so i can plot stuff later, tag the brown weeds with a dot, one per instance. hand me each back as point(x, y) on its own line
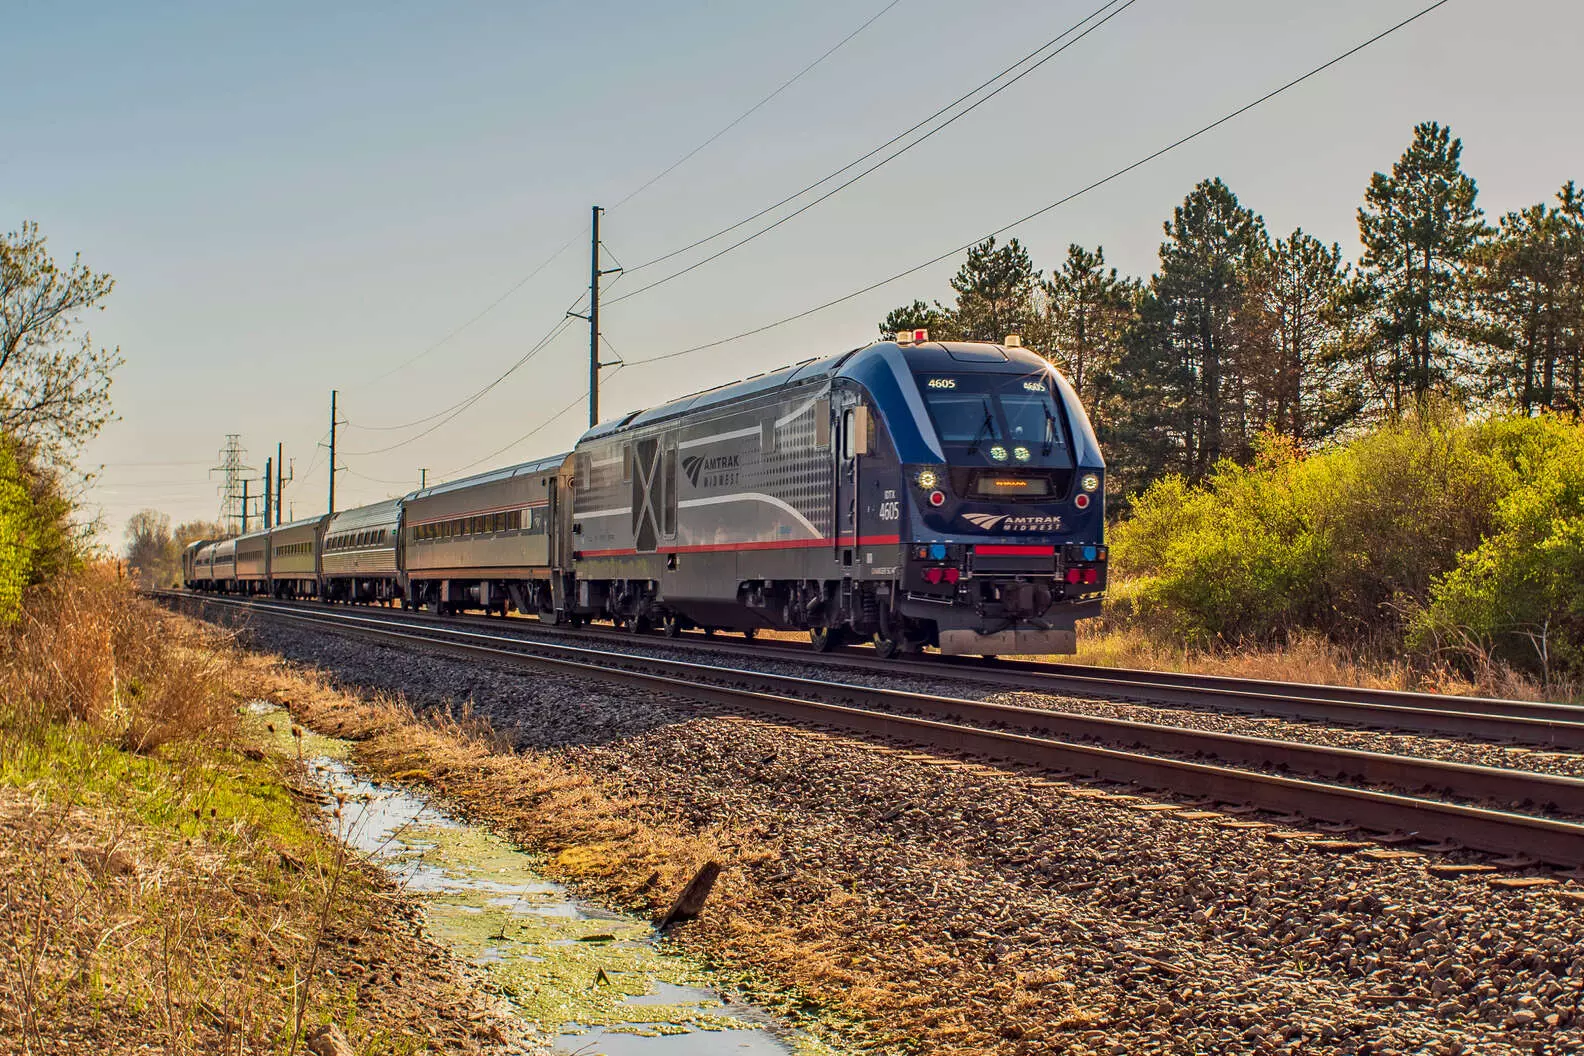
point(159, 888)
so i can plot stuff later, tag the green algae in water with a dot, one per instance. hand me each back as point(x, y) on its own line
point(559, 963)
point(600, 980)
point(271, 726)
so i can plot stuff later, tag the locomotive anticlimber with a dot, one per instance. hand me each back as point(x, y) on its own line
point(910, 493)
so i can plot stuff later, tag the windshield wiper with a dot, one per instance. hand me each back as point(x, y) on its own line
point(985, 427)
point(1050, 431)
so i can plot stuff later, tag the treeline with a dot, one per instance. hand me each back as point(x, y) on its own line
point(1238, 334)
point(154, 549)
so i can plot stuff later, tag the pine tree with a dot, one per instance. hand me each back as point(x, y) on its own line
point(1296, 366)
point(1088, 310)
point(920, 315)
point(995, 291)
point(1183, 377)
point(1529, 285)
point(1418, 226)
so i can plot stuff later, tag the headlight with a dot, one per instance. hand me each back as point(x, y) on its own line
point(998, 453)
point(927, 479)
point(1089, 482)
point(1020, 453)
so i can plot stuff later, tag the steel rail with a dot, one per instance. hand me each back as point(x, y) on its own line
point(1559, 726)
point(1551, 840)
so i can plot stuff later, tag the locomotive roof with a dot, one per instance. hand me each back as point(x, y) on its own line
point(935, 355)
point(539, 466)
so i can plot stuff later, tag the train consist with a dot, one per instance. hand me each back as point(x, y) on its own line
point(910, 493)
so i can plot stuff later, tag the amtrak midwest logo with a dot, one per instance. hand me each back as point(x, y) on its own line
point(719, 471)
point(989, 522)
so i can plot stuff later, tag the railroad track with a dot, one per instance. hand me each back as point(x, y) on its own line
point(1160, 758)
point(1559, 726)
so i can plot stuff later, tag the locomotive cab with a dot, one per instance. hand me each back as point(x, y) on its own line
point(1002, 500)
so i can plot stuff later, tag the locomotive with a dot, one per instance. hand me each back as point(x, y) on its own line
point(909, 493)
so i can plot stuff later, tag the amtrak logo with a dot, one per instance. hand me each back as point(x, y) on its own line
point(989, 522)
point(714, 471)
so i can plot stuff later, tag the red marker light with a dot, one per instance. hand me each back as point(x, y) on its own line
point(1091, 575)
point(932, 575)
point(1081, 501)
point(952, 575)
point(937, 498)
point(1074, 575)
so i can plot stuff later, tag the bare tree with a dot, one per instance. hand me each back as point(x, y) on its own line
point(150, 551)
point(54, 384)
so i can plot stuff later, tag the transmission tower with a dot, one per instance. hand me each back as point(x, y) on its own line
point(232, 508)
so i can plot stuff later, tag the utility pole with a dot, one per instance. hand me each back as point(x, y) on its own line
point(594, 277)
point(332, 448)
point(593, 316)
point(280, 482)
point(244, 506)
point(269, 492)
point(423, 478)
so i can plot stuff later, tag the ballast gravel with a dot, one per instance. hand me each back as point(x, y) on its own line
point(1033, 916)
point(959, 682)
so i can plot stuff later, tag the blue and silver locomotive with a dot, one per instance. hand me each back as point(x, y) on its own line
point(910, 493)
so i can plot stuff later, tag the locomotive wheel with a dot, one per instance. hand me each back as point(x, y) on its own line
point(749, 633)
point(824, 639)
point(891, 646)
point(639, 625)
point(671, 626)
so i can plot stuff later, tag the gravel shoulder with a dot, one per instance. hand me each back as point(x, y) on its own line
point(997, 912)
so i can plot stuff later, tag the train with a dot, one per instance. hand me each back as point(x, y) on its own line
point(911, 493)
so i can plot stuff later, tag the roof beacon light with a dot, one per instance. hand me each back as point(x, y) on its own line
point(920, 337)
point(1013, 341)
point(904, 337)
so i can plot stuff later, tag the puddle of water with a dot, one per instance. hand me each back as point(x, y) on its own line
point(596, 981)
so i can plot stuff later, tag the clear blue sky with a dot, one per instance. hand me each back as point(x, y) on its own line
point(296, 197)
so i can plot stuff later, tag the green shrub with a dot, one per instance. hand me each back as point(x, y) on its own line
point(35, 536)
point(1519, 595)
point(1350, 541)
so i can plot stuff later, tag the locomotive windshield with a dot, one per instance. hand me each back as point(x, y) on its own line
point(997, 419)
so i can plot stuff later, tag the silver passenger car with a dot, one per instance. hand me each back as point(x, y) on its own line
point(294, 557)
point(252, 563)
point(223, 571)
point(359, 561)
point(486, 541)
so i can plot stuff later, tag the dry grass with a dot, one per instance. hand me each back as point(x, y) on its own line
point(85, 651)
point(160, 887)
point(1312, 659)
point(625, 852)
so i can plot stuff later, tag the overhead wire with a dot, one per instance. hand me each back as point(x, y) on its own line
point(959, 100)
point(530, 434)
point(496, 303)
point(734, 122)
point(553, 257)
point(451, 412)
point(1218, 122)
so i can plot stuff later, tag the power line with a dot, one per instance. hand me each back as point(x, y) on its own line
point(528, 435)
point(458, 408)
point(496, 303)
point(569, 243)
point(894, 139)
point(734, 122)
point(1218, 122)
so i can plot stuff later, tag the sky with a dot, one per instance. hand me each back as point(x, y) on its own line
point(295, 198)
